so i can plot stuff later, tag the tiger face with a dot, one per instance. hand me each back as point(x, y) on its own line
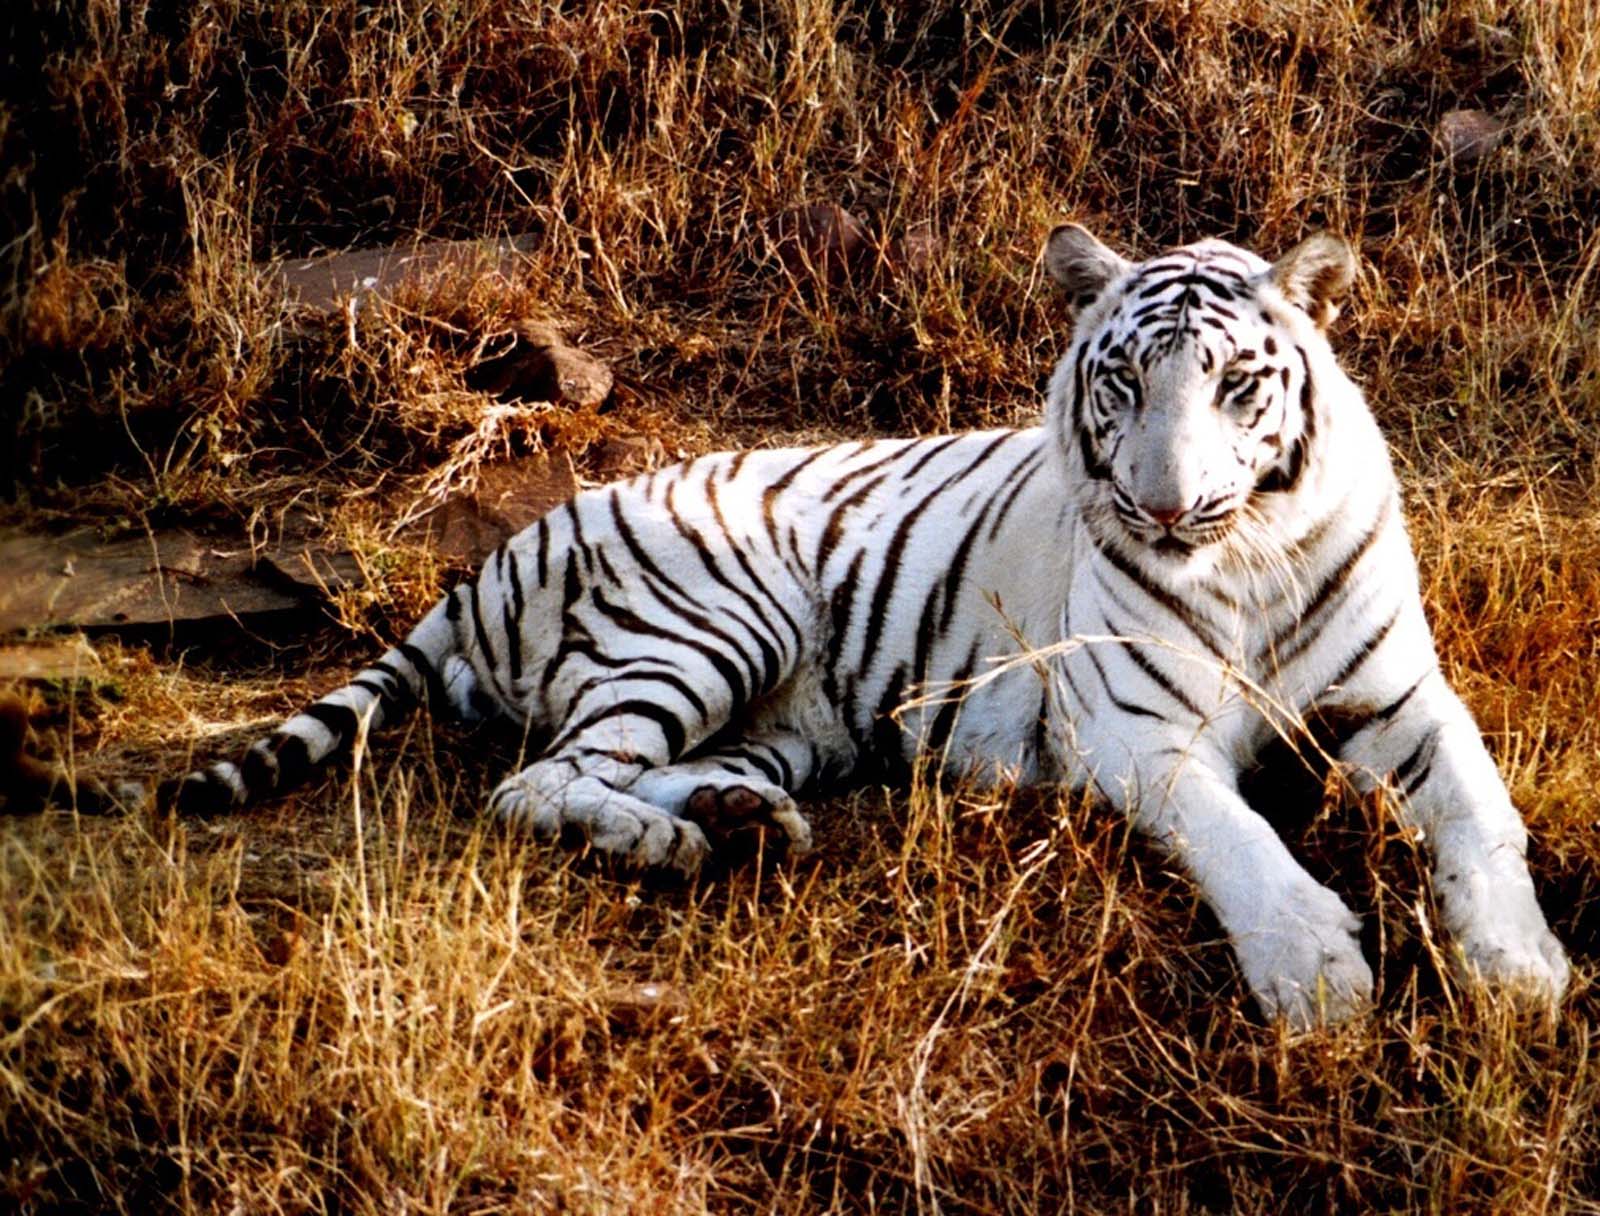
point(1186, 394)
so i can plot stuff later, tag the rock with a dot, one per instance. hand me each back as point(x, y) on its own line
point(168, 577)
point(326, 283)
point(540, 366)
point(176, 576)
point(66, 659)
point(914, 252)
point(516, 493)
point(823, 239)
point(466, 528)
point(310, 568)
point(76, 579)
point(622, 456)
point(634, 1007)
point(1466, 136)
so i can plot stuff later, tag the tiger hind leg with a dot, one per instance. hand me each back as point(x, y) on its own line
point(588, 793)
point(665, 814)
point(585, 784)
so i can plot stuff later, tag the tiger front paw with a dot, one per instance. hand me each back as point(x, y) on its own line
point(1500, 935)
point(1303, 960)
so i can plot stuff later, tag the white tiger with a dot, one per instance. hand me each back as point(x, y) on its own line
point(1207, 524)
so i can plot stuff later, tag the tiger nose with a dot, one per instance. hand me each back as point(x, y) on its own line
point(1165, 516)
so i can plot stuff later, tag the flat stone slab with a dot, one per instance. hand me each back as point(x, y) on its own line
point(65, 659)
point(326, 283)
point(77, 580)
point(532, 363)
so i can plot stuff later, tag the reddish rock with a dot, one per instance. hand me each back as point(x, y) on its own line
point(624, 455)
point(823, 239)
point(1466, 136)
point(466, 528)
point(540, 366)
point(914, 253)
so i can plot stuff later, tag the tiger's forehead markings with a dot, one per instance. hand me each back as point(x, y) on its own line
point(1182, 295)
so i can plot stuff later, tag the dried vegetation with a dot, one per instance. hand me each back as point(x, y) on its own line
point(365, 1000)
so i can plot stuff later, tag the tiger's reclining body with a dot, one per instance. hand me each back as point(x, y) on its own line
point(1207, 526)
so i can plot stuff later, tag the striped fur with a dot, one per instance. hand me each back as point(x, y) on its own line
point(1205, 533)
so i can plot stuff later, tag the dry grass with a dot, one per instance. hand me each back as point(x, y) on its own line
point(360, 1001)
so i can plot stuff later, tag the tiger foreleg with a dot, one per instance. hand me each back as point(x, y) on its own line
point(1427, 747)
point(1295, 940)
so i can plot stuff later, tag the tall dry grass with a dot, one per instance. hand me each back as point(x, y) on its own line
point(359, 1001)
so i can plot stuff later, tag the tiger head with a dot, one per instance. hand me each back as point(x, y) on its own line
point(1184, 404)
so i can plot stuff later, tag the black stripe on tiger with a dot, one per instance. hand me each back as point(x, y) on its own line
point(886, 747)
point(1296, 637)
point(1187, 616)
point(785, 771)
point(1126, 706)
point(769, 496)
point(513, 632)
point(437, 698)
point(744, 564)
point(766, 768)
point(895, 552)
point(1133, 649)
point(481, 634)
point(766, 638)
point(340, 721)
point(662, 588)
point(280, 762)
point(671, 729)
point(579, 545)
point(633, 623)
point(936, 618)
point(1278, 478)
point(944, 722)
point(833, 531)
point(1418, 766)
point(1019, 483)
point(1364, 651)
point(931, 452)
point(866, 470)
point(840, 605)
point(1395, 706)
point(1336, 725)
point(755, 679)
point(1094, 468)
point(383, 690)
point(403, 697)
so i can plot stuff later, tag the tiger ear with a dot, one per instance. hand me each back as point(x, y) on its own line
point(1314, 276)
point(1078, 261)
